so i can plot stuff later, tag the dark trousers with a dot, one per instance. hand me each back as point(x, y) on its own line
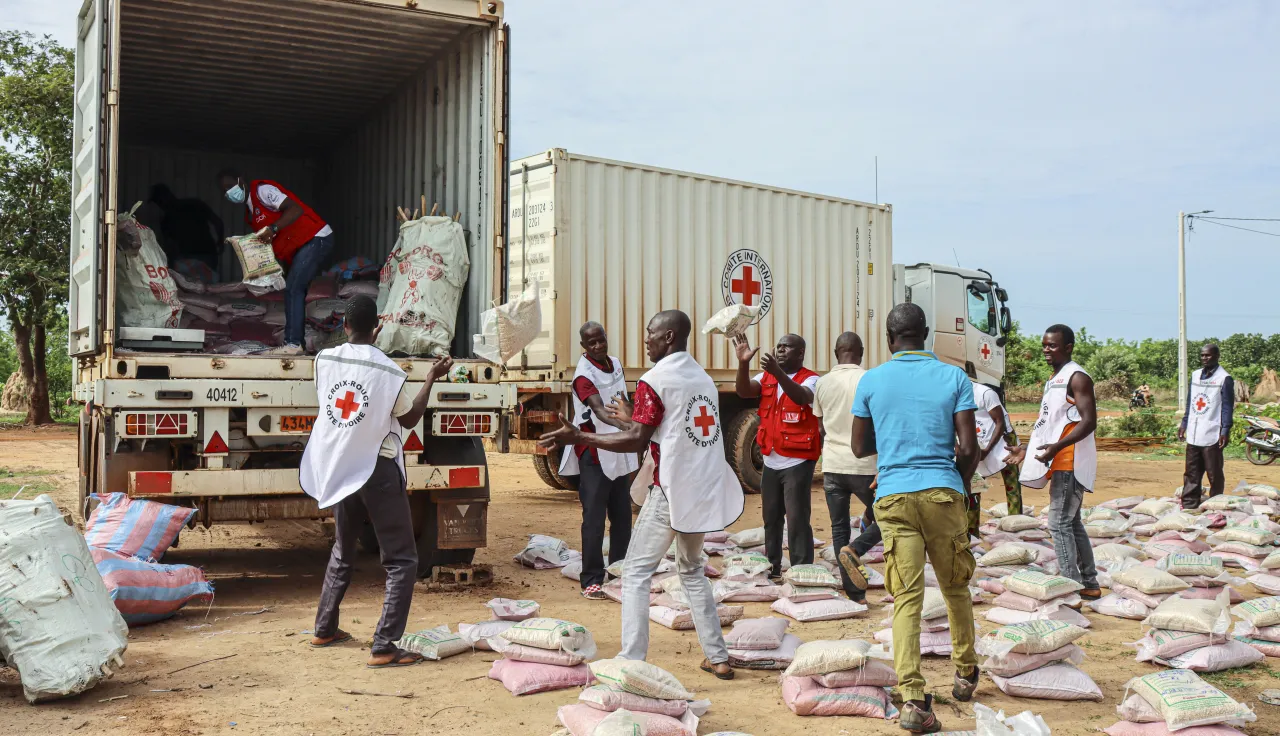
point(786, 495)
point(1200, 460)
point(839, 488)
point(602, 498)
point(383, 502)
point(307, 263)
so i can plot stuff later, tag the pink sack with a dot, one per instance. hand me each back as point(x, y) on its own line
point(581, 720)
point(1235, 559)
point(1013, 664)
point(805, 697)
point(757, 633)
point(1162, 644)
point(1052, 682)
point(525, 678)
point(991, 586)
point(715, 538)
point(135, 527)
point(1267, 648)
point(828, 610)
point(1146, 599)
point(605, 698)
point(521, 653)
point(1208, 594)
point(767, 659)
point(323, 287)
point(755, 594)
point(938, 643)
point(875, 673)
point(1127, 728)
point(1217, 657)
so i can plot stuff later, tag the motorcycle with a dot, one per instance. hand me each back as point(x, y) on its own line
point(1140, 400)
point(1261, 440)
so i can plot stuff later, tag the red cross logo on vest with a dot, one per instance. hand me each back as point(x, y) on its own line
point(704, 421)
point(746, 286)
point(347, 404)
point(1201, 403)
point(986, 351)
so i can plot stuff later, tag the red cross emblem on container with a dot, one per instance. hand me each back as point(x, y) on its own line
point(747, 287)
point(747, 280)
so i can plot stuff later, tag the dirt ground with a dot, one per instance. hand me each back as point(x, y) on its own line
point(268, 579)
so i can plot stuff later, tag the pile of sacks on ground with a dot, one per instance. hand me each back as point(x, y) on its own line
point(935, 627)
point(1177, 701)
point(1038, 659)
point(839, 678)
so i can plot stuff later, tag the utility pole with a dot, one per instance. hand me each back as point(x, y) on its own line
point(1182, 307)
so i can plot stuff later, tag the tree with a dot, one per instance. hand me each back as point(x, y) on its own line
point(37, 81)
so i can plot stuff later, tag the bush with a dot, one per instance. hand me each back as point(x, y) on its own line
point(1140, 423)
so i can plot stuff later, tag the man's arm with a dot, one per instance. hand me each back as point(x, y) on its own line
point(413, 416)
point(1228, 410)
point(634, 438)
point(863, 442)
point(967, 455)
point(746, 386)
point(798, 393)
point(997, 415)
point(597, 408)
point(1081, 389)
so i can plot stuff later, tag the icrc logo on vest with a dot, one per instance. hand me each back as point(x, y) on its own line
point(702, 421)
point(346, 403)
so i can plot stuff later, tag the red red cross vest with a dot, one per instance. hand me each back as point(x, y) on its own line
point(786, 427)
point(295, 235)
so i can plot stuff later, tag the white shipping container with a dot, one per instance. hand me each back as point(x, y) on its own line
point(616, 242)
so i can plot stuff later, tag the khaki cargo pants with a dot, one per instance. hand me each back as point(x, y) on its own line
point(931, 522)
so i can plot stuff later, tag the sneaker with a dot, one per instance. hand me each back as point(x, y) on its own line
point(853, 567)
point(915, 719)
point(288, 350)
point(963, 687)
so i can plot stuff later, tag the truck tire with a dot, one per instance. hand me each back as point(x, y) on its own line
point(548, 468)
point(541, 465)
point(744, 453)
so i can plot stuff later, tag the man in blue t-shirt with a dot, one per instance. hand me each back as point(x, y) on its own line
point(917, 415)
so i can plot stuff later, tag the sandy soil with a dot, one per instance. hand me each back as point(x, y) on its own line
point(274, 684)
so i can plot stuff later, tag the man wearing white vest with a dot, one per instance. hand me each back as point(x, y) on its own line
point(677, 415)
point(1206, 426)
point(604, 485)
point(1062, 455)
point(997, 456)
point(354, 463)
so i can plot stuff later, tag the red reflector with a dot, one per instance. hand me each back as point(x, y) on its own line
point(464, 477)
point(152, 483)
point(216, 445)
point(413, 444)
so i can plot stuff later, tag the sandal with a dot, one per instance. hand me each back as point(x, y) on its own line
point(714, 669)
point(400, 658)
point(339, 637)
point(594, 593)
point(852, 567)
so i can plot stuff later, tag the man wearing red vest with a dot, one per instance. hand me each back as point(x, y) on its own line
point(790, 441)
point(301, 241)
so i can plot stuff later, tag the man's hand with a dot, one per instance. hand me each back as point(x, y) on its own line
point(265, 233)
point(743, 350)
point(770, 365)
point(441, 367)
point(620, 409)
point(1182, 433)
point(875, 482)
point(1016, 455)
point(1050, 450)
point(1222, 442)
point(563, 435)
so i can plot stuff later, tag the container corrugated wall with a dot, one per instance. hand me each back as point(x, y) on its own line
point(631, 240)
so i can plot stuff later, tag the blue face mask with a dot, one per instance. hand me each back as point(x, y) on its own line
point(236, 194)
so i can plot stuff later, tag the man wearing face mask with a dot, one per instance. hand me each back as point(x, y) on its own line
point(300, 240)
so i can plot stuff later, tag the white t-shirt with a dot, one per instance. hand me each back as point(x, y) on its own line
point(774, 460)
point(404, 402)
point(272, 198)
point(833, 404)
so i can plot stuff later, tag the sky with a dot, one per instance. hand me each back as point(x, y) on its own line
point(1053, 144)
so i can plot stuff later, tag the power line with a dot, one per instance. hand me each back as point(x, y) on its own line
point(1243, 219)
point(1237, 227)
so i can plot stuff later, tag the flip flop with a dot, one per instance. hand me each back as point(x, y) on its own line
point(594, 593)
point(339, 637)
point(707, 667)
point(402, 659)
point(852, 567)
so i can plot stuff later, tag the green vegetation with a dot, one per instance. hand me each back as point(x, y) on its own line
point(8, 489)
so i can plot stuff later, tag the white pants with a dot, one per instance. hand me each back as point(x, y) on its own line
point(650, 539)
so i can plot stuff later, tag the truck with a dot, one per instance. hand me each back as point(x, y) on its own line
point(615, 242)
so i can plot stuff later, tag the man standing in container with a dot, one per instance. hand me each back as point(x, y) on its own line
point(1062, 455)
point(790, 441)
point(300, 240)
point(677, 416)
point(1206, 426)
point(843, 474)
point(604, 486)
point(354, 463)
point(916, 412)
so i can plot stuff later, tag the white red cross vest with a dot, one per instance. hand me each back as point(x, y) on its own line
point(1056, 412)
point(357, 387)
point(1204, 413)
point(701, 489)
point(994, 462)
point(610, 385)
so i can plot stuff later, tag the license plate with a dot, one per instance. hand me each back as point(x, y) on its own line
point(296, 423)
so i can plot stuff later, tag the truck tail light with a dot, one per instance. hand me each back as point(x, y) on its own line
point(150, 424)
point(455, 424)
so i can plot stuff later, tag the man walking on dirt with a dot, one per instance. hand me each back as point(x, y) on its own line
point(677, 416)
point(843, 474)
point(354, 462)
point(604, 487)
point(790, 441)
point(916, 412)
point(1206, 426)
point(1062, 455)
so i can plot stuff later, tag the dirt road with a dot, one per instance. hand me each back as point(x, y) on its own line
point(268, 578)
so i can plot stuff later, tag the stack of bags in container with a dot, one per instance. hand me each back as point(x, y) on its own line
point(839, 678)
point(441, 643)
point(1178, 701)
point(1260, 627)
point(935, 629)
point(1035, 596)
point(1038, 659)
point(811, 593)
point(671, 608)
point(1192, 635)
point(635, 692)
point(761, 644)
point(541, 654)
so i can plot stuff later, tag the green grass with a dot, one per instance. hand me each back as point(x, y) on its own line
point(9, 488)
point(1240, 676)
point(23, 472)
point(16, 419)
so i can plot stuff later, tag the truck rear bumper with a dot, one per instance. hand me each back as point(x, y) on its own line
point(172, 484)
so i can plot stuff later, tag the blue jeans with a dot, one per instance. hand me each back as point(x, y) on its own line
point(307, 263)
point(1070, 541)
